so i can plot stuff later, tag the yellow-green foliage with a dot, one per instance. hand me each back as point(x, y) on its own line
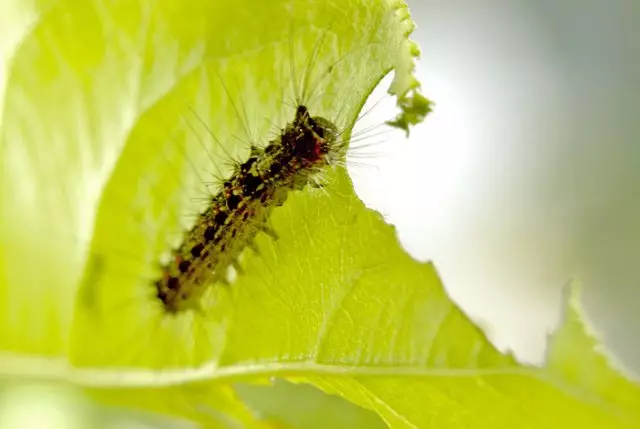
point(100, 155)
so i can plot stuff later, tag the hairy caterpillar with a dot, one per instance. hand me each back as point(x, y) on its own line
point(290, 162)
point(156, 304)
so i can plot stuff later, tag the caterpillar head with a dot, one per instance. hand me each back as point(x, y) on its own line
point(317, 139)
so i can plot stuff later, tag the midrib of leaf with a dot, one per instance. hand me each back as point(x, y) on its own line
point(310, 370)
point(57, 369)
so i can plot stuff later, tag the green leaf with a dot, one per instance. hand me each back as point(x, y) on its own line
point(424, 364)
point(115, 118)
point(576, 388)
point(114, 115)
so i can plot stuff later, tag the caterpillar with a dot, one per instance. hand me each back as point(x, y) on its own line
point(290, 162)
point(167, 288)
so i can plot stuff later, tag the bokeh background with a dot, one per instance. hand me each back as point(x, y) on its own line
point(529, 168)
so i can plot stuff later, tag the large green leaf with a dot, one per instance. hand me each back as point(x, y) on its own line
point(577, 387)
point(114, 117)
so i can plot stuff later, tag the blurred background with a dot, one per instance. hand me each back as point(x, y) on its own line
point(529, 165)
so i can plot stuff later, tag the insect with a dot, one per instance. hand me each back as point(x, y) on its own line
point(242, 207)
point(186, 229)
